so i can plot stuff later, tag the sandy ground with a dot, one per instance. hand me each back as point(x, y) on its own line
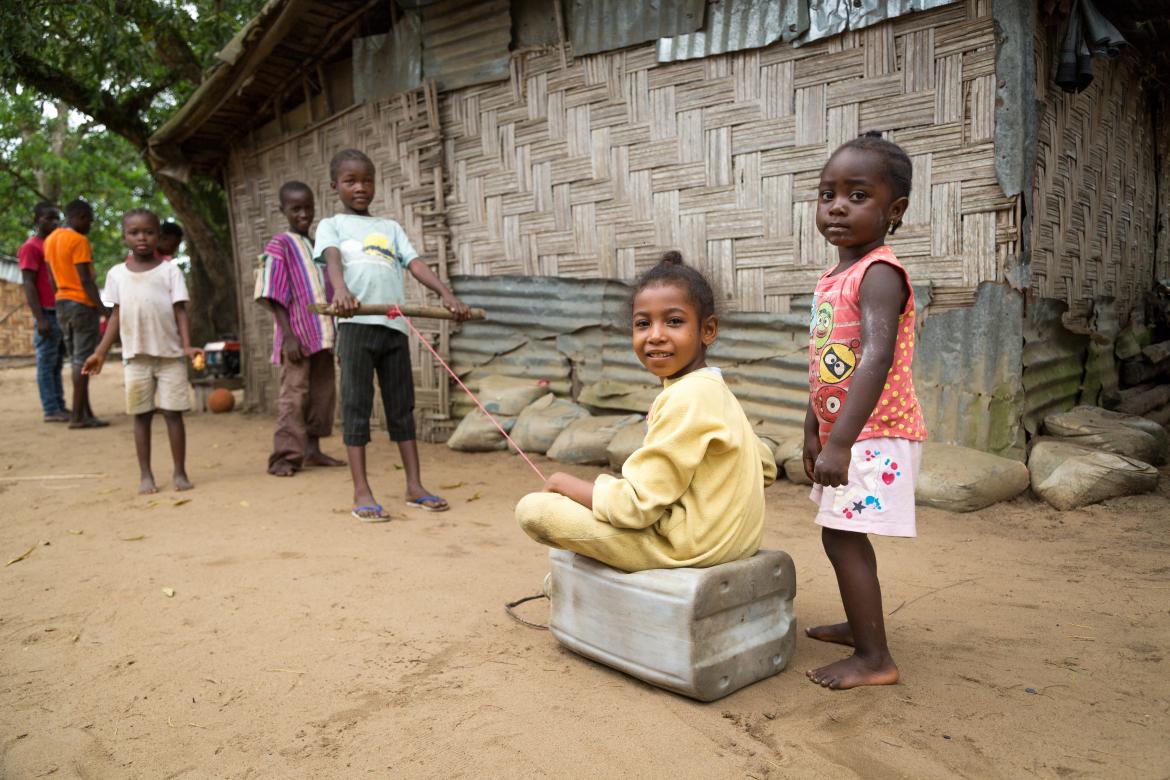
point(299, 643)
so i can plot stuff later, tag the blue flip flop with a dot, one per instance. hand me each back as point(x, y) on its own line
point(429, 504)
point(380, 515)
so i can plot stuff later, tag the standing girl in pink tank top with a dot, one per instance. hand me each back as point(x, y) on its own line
point(863, 431)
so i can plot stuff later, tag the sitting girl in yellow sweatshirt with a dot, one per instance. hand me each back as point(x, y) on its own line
point(693, 495)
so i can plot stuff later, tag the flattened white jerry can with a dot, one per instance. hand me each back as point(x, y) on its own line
point(700, 632)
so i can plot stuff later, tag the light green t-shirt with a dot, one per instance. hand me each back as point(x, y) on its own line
point(374, 253)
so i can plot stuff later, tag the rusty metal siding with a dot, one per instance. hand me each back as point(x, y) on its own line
point(466, 43)
point(967, 372)
point(605, 25)
point(574, 333)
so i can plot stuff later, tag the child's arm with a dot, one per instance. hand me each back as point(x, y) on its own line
point(184, 323)
point(421, 271)
point(571, 487)
point(883, 295)
point(812, 440)
point(290, 346)
point(93, 364)
point(343, 301)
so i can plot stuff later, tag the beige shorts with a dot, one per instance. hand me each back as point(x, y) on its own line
point(146, 374)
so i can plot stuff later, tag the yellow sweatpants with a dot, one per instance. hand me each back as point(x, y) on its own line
point(557, 521)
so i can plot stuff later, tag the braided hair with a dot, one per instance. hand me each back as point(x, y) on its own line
point(344, 156)
point(672, 270)
point(140, 212)
point(899, 171)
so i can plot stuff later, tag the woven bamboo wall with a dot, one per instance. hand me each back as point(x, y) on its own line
point(1094, 194)
point(592, 168)
point(17, 326)
point(402, 137)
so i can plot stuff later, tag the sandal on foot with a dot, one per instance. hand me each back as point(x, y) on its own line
point(379, 514)
point(429, 504)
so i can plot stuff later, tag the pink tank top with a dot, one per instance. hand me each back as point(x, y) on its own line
point(835, 348)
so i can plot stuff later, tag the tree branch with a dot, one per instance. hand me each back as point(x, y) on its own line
point(169, 44)
point(20, 179)
point(102, 106)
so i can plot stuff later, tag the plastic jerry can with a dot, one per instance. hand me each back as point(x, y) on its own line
point(700, 632)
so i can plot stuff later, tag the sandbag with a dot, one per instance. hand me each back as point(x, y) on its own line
point(586, 439)
point(960, 479)
point(542, 421)
point(475, 433)
point(1100, 429)
point(1068, 476)
point(508, 395)
point(789, 454)
point(623, 444)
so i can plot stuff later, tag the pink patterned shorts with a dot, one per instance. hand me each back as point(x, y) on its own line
point(879, 498)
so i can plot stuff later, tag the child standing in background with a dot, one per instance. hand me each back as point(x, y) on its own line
point(288, 284)
point(169, 239)
point(693, 493)
point(366, 256)
point(863, 431)
point(149, 297)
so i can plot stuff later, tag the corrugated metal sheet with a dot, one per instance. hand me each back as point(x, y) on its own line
point(967, 372)
point(573, 333)
point(10, 271)
point(732, 25)
point(466, 42)
point(833, 17)
point(604, 25)
point(385, 65)
point(870, 12)
point(1054, 363)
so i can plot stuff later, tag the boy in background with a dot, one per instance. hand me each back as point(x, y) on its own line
point(42, 302)
point(169, 239)
point(78, 303)
point(289, 283)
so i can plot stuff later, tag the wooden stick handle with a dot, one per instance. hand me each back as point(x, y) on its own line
point(428, 312)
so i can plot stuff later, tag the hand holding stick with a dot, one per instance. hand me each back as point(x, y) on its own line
point(430, 312)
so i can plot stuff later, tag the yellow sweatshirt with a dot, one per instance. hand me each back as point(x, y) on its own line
point(698, 478)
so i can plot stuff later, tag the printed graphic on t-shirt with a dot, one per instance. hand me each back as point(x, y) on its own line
point(376, 249)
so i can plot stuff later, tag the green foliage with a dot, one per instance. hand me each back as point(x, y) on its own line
point(114, 70)
point(43, 157)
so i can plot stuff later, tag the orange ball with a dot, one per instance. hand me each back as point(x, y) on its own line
point(221, 400)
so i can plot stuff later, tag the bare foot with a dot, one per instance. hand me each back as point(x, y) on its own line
point(838, 633)
point(181, 482)
point(855, 671)
point(319, 458)
point(282, 469)
point(146, 486)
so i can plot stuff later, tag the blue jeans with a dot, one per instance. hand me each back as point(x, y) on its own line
point(50, 359)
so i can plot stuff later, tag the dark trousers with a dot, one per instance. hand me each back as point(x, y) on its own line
point(366, 350)
point(304, 408)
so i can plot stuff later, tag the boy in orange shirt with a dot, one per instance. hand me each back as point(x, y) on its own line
point(79, 305)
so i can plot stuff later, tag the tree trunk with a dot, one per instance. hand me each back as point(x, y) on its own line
point(200, 207)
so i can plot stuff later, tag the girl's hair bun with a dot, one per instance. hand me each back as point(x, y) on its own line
point(871, 134)
point(671, 257)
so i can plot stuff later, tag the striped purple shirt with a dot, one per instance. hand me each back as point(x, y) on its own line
point(288, 275)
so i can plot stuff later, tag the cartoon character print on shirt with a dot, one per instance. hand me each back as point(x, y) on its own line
point(375, 249)
point(874, 473)
point(822, 323)
point(828, 402)
point(837, 361)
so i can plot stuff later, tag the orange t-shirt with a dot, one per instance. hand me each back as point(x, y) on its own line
point(65, 249)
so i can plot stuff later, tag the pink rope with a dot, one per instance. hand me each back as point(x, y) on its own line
point(396, 312)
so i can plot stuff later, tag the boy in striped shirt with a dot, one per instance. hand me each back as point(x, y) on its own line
point(288, 283)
